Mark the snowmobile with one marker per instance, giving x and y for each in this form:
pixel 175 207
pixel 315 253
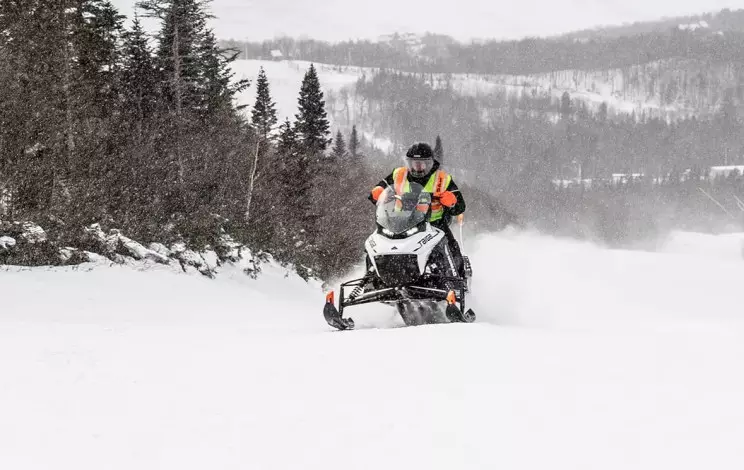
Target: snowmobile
pixel 408 266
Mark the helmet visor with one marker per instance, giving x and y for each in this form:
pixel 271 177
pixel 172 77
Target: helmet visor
pixel 420 166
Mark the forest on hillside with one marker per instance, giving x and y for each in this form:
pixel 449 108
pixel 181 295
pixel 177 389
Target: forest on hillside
pixel 726 20
pixel 438 53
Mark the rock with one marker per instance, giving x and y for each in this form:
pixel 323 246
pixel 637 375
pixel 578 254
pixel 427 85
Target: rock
pixel 7 243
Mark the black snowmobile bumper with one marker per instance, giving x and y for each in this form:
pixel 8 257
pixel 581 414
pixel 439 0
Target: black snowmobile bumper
pixel 425 289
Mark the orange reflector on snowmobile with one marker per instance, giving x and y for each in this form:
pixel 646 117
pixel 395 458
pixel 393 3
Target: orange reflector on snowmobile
pixel 329 298
pixel 451 297
pixel 422 207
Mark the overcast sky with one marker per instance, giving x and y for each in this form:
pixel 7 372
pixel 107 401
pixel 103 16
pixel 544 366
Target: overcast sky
pixel 336 20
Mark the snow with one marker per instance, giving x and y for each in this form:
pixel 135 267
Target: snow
pixel 133 248
pixel 33 233
pixel 7 242
pixel 285 79
pixel 634 89
pixel 725 170
pixel 694 26
pixel 729 246
pixel 582 358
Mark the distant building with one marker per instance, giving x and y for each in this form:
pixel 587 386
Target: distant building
pixel 725 171
pixel 276 54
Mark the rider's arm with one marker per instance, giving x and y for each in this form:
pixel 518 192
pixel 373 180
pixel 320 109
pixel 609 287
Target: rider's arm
pixel 459 207
pixel 384 183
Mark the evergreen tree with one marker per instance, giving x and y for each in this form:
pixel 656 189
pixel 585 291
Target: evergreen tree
pixel 296 213
pixel 354 143
pixel 97 40
pixel 602 113
pixel 183 28
pixel 263 116
pixel 288 143
pixel 565 107
pixel 312 122
pixel 339 147
pixel 140 78
pixel 439 151
pixel 216 78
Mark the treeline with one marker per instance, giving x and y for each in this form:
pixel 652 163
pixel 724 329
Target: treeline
pixel 106 124
pixel 436 53
pixel 507 134
pixel 726 21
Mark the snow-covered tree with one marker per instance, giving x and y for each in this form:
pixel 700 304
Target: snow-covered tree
pixel 140 78
pixel 339 147
pixel 312 121
pixel 263 115
pixel 439 151
pixel 354 143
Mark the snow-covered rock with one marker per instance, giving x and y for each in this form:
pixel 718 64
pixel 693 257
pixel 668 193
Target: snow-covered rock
pixel 116 243
pixel 138 251
pixel 33 233
pixel 26 243
pixel 96 233
pixel 6 243
pixel 228 249
pixel 160 248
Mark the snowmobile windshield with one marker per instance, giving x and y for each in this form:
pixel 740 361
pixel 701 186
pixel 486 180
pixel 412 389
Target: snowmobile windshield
pixel 403 210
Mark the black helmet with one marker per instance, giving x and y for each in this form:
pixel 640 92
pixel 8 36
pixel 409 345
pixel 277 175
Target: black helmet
pixel 420 159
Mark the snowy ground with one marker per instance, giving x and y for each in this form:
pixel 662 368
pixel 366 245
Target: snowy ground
pixel 582 358
pixel 285 80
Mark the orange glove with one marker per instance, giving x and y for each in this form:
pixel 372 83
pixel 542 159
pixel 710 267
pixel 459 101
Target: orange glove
pixel 448 198
pixel 376 191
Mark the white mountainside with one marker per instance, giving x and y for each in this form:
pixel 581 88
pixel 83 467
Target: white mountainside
pixel 582 358
pixel 666 89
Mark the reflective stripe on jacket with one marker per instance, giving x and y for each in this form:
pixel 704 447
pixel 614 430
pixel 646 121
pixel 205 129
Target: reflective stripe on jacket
pixel 438 183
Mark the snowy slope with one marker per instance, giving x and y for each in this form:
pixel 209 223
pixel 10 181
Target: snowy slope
pixel 583 358
pixel 651 89
pixel 285 79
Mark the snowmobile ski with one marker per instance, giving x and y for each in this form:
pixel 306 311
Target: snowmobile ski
pixel 333 316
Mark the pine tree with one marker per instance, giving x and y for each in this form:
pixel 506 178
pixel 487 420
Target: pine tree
pixel 183 27
pixel 339 147
pixel 216 77
pixel 97 41
pixel 288 140
pixel 602 113
pixel 439 151
pixel 295 214
pixel 39 43
pixel 179 57
pixel 565 106
pixel 354 143
pixel 140 78
pixel 312 122
pixel 263 116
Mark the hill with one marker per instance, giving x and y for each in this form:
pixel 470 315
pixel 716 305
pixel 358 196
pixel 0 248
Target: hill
pixel 724 21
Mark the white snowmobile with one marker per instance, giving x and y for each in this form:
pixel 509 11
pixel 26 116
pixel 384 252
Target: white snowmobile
pixel 408 265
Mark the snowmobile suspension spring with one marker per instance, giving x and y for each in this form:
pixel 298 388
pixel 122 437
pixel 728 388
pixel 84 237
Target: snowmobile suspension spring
pixel 358 289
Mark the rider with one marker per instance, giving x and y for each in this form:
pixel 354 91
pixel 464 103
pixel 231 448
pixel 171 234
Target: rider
pixel 447 200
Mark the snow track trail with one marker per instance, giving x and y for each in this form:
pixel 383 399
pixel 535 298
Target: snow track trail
pixel 582 358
